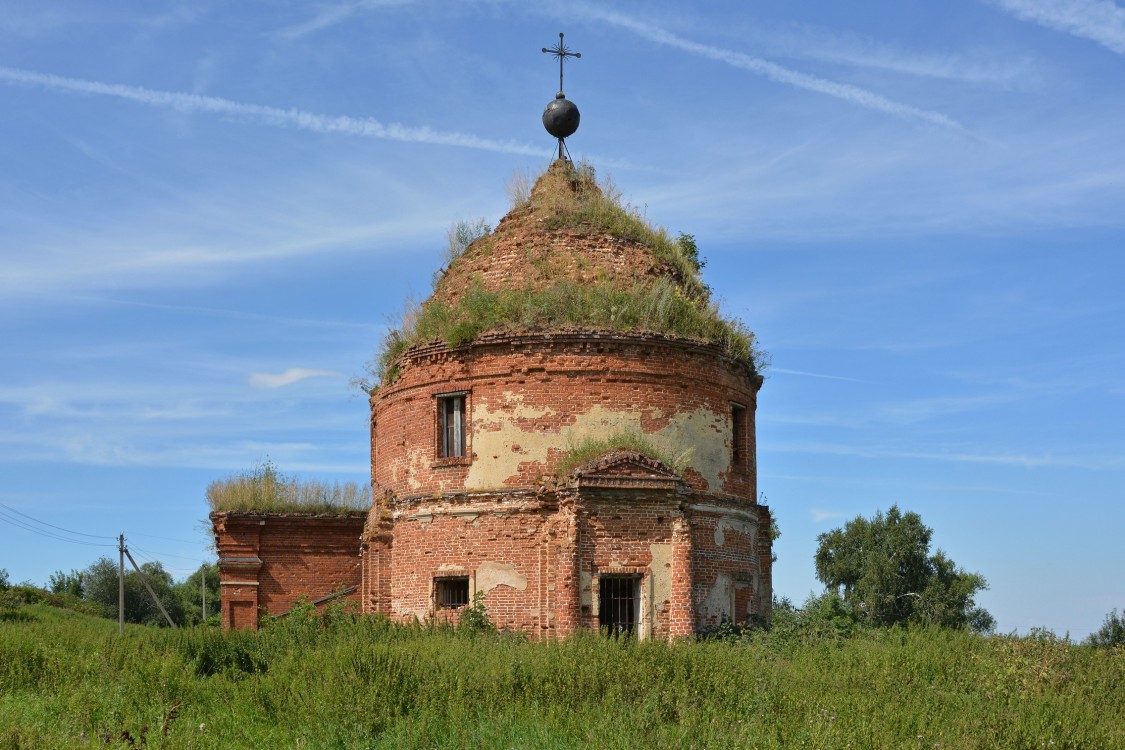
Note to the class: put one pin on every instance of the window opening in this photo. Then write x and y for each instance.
(451, 414)
(738, 435)
(619, 604)
(451, 593)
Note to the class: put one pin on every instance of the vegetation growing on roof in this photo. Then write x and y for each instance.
(676, 303)
(572, 197)
(264, 489)
(591, 448)
(661, 306)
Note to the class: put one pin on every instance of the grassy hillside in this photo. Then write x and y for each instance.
(68, 680)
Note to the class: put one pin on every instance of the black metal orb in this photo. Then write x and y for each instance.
(561, 117)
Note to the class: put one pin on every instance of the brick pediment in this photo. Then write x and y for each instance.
(626, 470)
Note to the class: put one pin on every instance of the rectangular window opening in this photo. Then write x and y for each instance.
(738, 435)
(451, 426)
(619, 605)
(451, 593)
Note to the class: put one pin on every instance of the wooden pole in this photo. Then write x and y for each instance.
(121, 584)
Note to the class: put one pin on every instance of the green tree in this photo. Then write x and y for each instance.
(887, 576)
(1111, 633)
(191, 598)
(67, 583)
(100, 581)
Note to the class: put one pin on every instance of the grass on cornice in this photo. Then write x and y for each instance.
(661, 306)
(266, 490)
(591, 448)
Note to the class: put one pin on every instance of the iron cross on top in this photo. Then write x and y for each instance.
(560, 51)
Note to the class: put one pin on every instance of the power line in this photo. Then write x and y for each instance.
(166, 538)
(162, 554)
(60, 528)
(28, 527)
(168, 568)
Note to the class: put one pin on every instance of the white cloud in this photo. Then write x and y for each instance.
(366, 127)
(773, 71)
(955, 455)
(290, 376)
(336, 14)
(802, 373)
(819, 514)
(1101, 21)
(978, 66)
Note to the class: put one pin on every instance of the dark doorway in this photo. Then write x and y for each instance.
(619, 605)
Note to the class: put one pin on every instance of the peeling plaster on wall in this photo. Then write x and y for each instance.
(420, 457)
(585, 589)
(516, 408)
(490, 575)
(727, 523)
(406, 613)
(706, 433)
(718, 602)
(495, 433)
(661, 568)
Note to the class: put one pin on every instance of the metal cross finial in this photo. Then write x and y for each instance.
(560, 51)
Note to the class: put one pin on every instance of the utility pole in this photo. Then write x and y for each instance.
(121, 584)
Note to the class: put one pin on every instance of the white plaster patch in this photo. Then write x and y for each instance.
(661, 569)
(490, 575)
(719, 601)
(496, 431)
(585, 588)
(727, 523)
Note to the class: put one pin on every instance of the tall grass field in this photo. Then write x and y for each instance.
(70, 681)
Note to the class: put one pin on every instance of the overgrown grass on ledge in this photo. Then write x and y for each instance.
(591, 448)
(661, 306)
(266, 490)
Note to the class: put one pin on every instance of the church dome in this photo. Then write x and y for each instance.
(571, 255)
(568, 230)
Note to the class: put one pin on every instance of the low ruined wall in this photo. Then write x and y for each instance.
(268, 562)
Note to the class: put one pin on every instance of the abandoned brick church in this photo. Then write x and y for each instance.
(566, 427)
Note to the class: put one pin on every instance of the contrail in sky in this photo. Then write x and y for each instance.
(1099, 20)
(273, 116)
(775, 72)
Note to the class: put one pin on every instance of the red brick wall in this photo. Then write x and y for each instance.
(300, 556)
(728, 581)
(441, 539)
(557, 539)
(617, 532)
(556, 377)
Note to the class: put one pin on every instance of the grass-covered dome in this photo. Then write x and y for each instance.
(569, 255)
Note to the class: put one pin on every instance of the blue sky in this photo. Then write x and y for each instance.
(210, 212)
